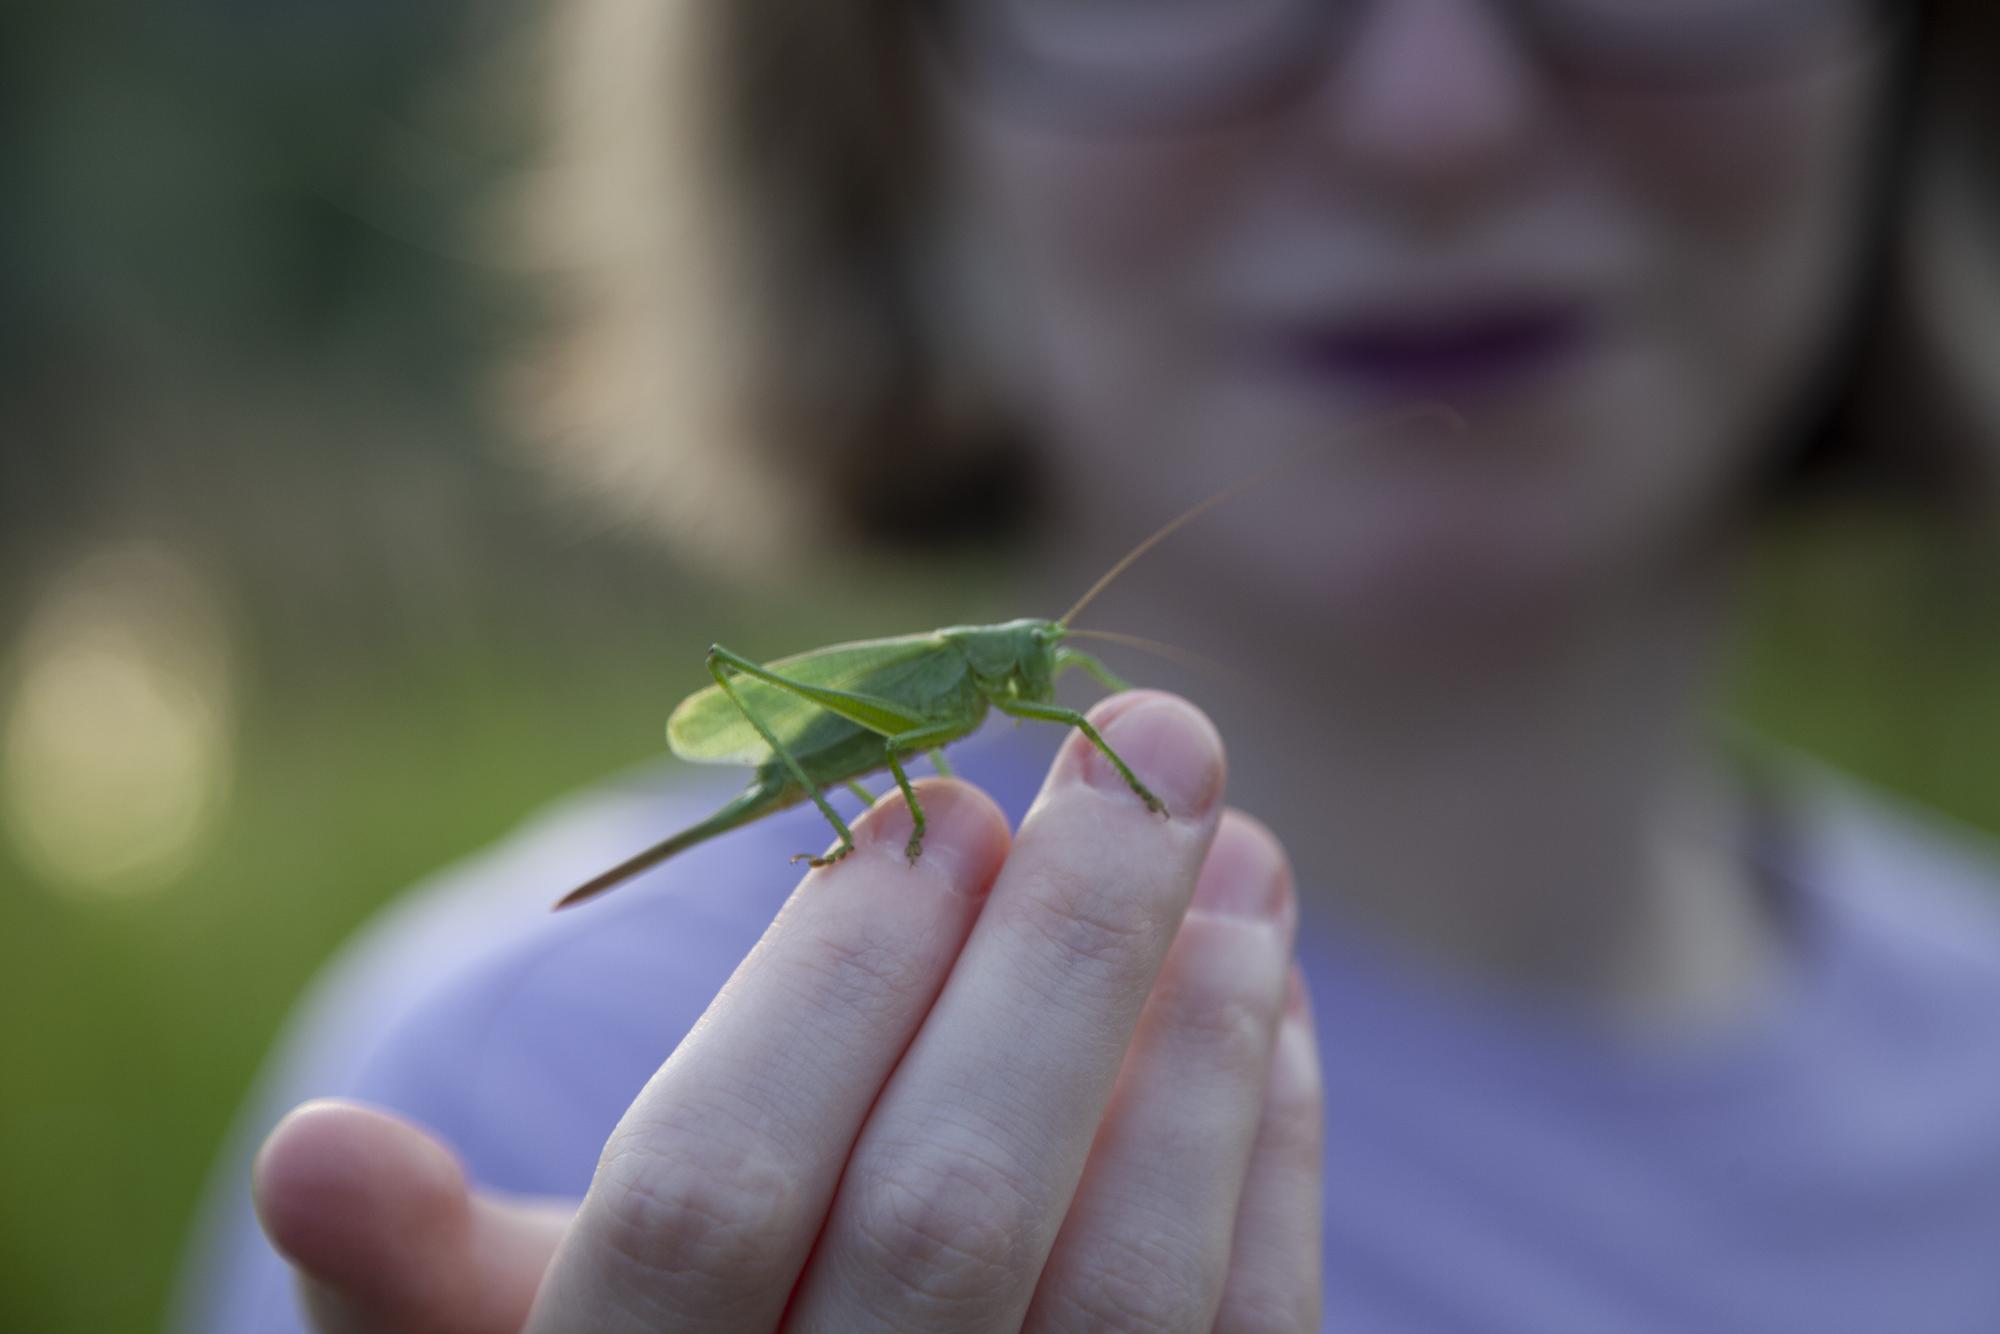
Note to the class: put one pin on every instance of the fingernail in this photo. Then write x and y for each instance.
(1172, 748)
(964, 836)
(1245, 874)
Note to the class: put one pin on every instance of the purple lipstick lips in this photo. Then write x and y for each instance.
(1478, 350)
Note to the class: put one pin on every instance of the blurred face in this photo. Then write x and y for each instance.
(1213, 245)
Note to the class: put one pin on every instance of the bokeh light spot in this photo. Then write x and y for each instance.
(116, 753)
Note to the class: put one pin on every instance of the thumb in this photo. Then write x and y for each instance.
(378, 1217)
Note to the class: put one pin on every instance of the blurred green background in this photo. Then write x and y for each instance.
(285, 623)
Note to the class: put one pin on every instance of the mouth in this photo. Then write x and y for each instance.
(1480, 349)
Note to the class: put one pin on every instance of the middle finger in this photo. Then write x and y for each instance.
(960, 1181)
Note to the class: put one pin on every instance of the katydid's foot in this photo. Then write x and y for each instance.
(1153, 803)
(819, 859)
(914, 848)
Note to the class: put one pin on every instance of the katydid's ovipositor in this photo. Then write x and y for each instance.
(832, 715)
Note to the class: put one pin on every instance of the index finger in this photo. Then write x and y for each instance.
(711, 1190)
(965, 1170)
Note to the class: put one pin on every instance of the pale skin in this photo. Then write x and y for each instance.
(1476, 674)
(1117, 1045)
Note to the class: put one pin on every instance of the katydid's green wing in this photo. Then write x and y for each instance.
(914, 671)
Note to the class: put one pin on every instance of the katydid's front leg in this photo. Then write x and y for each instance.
(917, 739)
(1055, 713)
(1067, 658)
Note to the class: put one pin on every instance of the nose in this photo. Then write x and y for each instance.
(1436, 99)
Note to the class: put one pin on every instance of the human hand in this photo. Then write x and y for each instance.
(1011, 1087)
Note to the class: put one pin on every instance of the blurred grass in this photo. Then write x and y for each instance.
(132, 1027)
(1874, 642)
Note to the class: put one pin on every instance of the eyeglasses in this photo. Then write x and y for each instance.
(1148, 63)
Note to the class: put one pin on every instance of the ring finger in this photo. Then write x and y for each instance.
(1147, 1242)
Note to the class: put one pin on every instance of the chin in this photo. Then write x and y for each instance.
(1549, 520)
(1418, 593)
(1462, 567)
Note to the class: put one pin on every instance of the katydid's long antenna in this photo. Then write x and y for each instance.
(1435, 411)
(1173, 653)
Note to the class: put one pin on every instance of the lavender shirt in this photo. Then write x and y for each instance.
(1831, 1165)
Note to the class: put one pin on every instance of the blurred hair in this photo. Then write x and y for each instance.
(1914, 407)
(753, 347)
(1929, 374)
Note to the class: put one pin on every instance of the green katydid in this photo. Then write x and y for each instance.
(833, 715)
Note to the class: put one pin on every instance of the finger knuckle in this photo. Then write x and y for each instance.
(947, 1231)
(709, 1214)
(1292, 1129)
(1224, 1024)
(1281, 1309)
(1141, 1286)
(1294, 1107)
(1095, 925)
(858, 972)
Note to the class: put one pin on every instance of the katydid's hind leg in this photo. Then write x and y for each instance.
(792, 768)
(1055, 713)
(941, 764)
(817, 859)
(867, 797)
